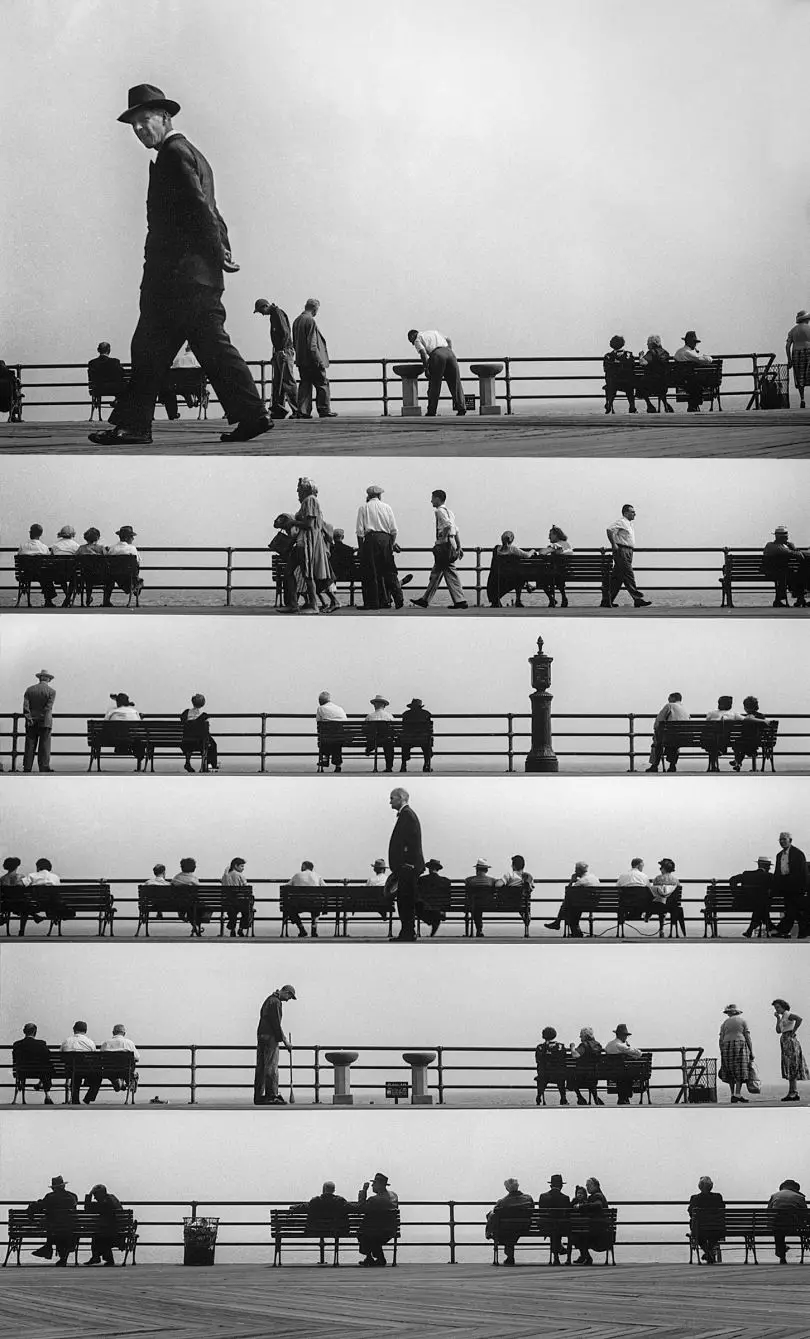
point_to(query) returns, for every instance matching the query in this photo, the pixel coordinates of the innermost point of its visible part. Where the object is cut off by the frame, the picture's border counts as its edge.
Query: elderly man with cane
(270, 1036)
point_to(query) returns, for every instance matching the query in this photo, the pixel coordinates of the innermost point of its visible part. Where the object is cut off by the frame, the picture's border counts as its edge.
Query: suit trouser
(37, 740)
(452, 579)
(623, 574)
(443, 366)
(624, 1090)
(406, 900)
(284, 387)
(166, 322)
(311, 376)
(371, 1243)
(378, 571)
(93, 1085)
(265, 1082)
(657, 752)
(101, 1246)
(796, 912)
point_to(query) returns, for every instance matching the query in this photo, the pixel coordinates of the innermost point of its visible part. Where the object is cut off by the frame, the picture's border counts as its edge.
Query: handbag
(753, 1083)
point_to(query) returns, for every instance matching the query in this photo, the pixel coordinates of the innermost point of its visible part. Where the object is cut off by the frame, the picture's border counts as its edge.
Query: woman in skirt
(736, 1052)
(794, 1065)
(797, 348)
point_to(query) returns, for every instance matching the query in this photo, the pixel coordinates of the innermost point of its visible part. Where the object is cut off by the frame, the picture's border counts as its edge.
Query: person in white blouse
(125, 710)
(328, 710)
(66, 543)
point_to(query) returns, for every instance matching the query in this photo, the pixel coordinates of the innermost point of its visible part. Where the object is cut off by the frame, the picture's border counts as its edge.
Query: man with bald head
(790, 883)
(312, 357)
(376, 529)
(406, 861)
(327, 1213)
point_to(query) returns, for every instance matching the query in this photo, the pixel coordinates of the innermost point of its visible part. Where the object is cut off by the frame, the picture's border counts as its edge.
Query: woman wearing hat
(125, 710)
(592, 1208)
(794, 1065)
(736, 1052)
(797, 349)
(656, 374)
(309, 559)
(619, 366)
(587, 1050)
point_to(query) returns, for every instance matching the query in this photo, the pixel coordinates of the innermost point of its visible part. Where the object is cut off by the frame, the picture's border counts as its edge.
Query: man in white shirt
(307, 878)
(635, 876)
(43, 875)
(440, 364)
(725, 711)
(377, 734)
(80, 1041)
(618, 1045)
(125, 545)
(119, 1041)
(689, 354)
(672, 710)
(446, 553)
(376, 529)
(34, 547)
(330, 711)
(581, 878)
(622, 538)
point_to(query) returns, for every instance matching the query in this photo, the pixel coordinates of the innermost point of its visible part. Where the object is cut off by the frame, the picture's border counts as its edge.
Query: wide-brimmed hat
(690, 334)
(380, 698)
(482, 864)
(434, 864)
(58, 1182)
(732, 1009)
(763, 860)
(126, 530)
(147, 95)
(380, 1176)
(44, 674)
(803, 315)
(556, 1180)
(780, 530)
(416, 702)
(374, 490)
(624, 1029)
(379, 863)
(291, 989)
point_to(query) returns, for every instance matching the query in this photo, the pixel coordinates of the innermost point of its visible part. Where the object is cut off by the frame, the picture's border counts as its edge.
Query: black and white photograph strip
(404, 724)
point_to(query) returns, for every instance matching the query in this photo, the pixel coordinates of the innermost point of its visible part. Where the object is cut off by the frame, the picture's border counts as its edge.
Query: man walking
(376, 529)
(312, 357)
(38, 703)
(187, 254)
(447, 551)
(622, 538)
(440, 364)
(406, 861)
(270, 1036)
(284, 387)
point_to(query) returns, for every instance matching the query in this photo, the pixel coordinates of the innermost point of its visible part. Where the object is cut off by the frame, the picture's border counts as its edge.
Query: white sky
(459, 1000)
(513, 176)
(222, 501)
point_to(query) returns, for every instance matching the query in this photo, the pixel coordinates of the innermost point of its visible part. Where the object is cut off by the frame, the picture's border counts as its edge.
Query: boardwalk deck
(469, 1302)
(774, 434)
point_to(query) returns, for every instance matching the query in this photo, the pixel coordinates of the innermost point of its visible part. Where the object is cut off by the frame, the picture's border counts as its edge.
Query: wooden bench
(11, 395)
(553, 1224)
(294, 1224)
(364, 737)
(625, 904)
(153, 735)
(279, 568)
(348, 899)
(576, 1071)
(67, 901)
(82, 1224)
(212, 899)
(31, 569)
(107, 572)
(559, 570)
(717, 737)
(496, 902)
(740, 903)
(680, 378)
(64, 1065)
(749, 1225)
(745, 569)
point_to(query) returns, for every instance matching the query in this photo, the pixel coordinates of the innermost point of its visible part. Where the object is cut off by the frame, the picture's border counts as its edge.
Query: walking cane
(289, 1056)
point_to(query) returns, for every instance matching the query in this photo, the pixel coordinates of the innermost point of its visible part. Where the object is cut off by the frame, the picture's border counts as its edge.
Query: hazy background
(529, 179)
(430, 1155)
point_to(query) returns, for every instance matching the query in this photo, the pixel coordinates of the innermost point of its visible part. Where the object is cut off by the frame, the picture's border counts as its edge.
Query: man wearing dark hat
(432, 896)
(125, 545)
(478, 882)
(270, 1035)
(379, 1219)
(552, 1199)
(406, 861)
(689, 354)
(756, 885)
(376, 529)
(776, 557)
(378, 729)
(38, 703)
(187, 253)
(417, 733)
(619, 1046)
(284, 387)
(59, 1207)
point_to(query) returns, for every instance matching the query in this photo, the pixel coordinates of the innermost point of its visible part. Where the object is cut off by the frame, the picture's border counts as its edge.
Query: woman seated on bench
(185, 883)
(588, 1052)
(498, 582)
(661, 889)
(557, 545)
(747, 746)
(125, 710)
(596, 1233)
(14, 900)
(195, 721)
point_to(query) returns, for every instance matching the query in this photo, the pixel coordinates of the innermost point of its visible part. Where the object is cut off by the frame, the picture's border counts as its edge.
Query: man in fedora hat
(58, 1206)
(125, 546)
(378, 730)
(187, 253)
(284, 387)
(417, 733)
(619, 1046)
(552, 1199)
(776, 557)
(797, 349)
(379, 1219)
(38, 703)
(376, 529)
(406, 861)
(757, 885)
(270, 1036)
(475, 884)
(689, 353)
(432, 896)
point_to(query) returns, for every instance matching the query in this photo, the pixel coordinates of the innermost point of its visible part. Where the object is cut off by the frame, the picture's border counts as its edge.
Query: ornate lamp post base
(541, 756)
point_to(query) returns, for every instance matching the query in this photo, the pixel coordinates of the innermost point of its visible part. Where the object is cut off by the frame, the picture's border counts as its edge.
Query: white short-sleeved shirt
(624, 533)
(428, 340)
(329, 711)
(375, 515)
(33, 546)
(64, 548)
(445, 522)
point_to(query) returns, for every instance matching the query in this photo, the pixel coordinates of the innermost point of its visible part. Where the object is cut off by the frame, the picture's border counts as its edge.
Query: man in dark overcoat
(406, 861)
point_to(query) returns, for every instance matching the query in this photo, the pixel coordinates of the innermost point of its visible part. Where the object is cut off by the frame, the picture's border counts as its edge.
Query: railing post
(317, 1075)
(263, 379)
(15, 740)
(384, 362)
(508, 380)
(685, 1073)
(631, 739)
(478, 577)
(193, 1078)
(755, 374)
(228, 577)
(452, 1224)
(263, 742)
(510, 740)
(440, 1074)
(193, 1206)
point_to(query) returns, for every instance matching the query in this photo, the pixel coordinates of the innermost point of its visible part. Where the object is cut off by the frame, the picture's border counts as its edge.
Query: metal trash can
(199, 1240)
(702, 1083)
(774, 387)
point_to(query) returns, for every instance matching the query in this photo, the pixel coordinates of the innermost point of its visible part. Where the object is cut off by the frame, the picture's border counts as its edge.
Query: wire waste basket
(199, 1240)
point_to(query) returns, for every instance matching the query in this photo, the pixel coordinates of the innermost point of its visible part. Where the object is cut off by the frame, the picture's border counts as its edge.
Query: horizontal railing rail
(372, 381)
(196, 1068)
(454, 1227)
(266, 739)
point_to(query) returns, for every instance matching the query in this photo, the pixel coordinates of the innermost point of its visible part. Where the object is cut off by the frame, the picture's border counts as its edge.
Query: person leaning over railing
(707, 1219)
(194, 720)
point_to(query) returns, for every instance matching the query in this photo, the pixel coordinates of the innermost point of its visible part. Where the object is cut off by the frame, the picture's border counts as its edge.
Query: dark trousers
(796, 913)
(431, 918)
(378, 572)
(443, 366)
(624, 1090)
(623, 575)
(371, 1243)
(284, 387)
(427, 755)
(406, 900)
(312, 377)
(238, 909)
(101, 1247)
(212, 755)
(37, 740)
(166, 322)
(168, 398)
(93, 1085)
(265, 1079)
(478, 921)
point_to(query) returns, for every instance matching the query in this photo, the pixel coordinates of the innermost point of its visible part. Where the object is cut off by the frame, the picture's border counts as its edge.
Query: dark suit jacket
(105, 371)
(795, 884)
(553, 1199)
(32, 1054)
(405, 846)
(280, 333)
(57, 1204)
(310, 345)
(187, 237)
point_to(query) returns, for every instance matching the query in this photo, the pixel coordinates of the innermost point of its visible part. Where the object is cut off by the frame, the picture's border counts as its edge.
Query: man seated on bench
(581, 878)
(776, 557)
(105, 375)
(552, 1199)
(789, 1207)
(327, 1213)
(431, 893)
(79, 1043)
(31, 1059)
(480, 881)
(99, 1200)
(14, 900)
(377, 731)
(672, 710)
(125, 710)
(328, 710)
(306, 878)
(753, 725)
(58, 1206)
(379, 1219)
(510, 1217)
(342, 556)
(661, 889)
(417, 724)
(125, 545)
(186, 883)
(119, 1041)
(35, 547)
(712, 741)
(237, 905)
(688, 353)
(195, 722)
(618, 1046)
(706, 1219)
(758, 884)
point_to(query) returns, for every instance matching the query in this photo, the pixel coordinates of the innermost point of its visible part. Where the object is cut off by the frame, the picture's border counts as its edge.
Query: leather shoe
(120, 437)
(247, 430)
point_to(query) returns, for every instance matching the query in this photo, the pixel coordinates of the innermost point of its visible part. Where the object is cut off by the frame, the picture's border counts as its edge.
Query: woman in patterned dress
(310, 558)
(736, 1052)
(794, 1065)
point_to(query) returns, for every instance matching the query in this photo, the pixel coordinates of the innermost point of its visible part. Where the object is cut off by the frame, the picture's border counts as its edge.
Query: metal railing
(265, 739)
(230, 572)
(201, 1068)
(452, 1230)
(524, 380)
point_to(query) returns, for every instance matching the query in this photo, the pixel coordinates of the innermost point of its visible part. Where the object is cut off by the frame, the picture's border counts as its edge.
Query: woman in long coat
(794, 1065)
(595, 1210)
(310, 557)
(736, 1052)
